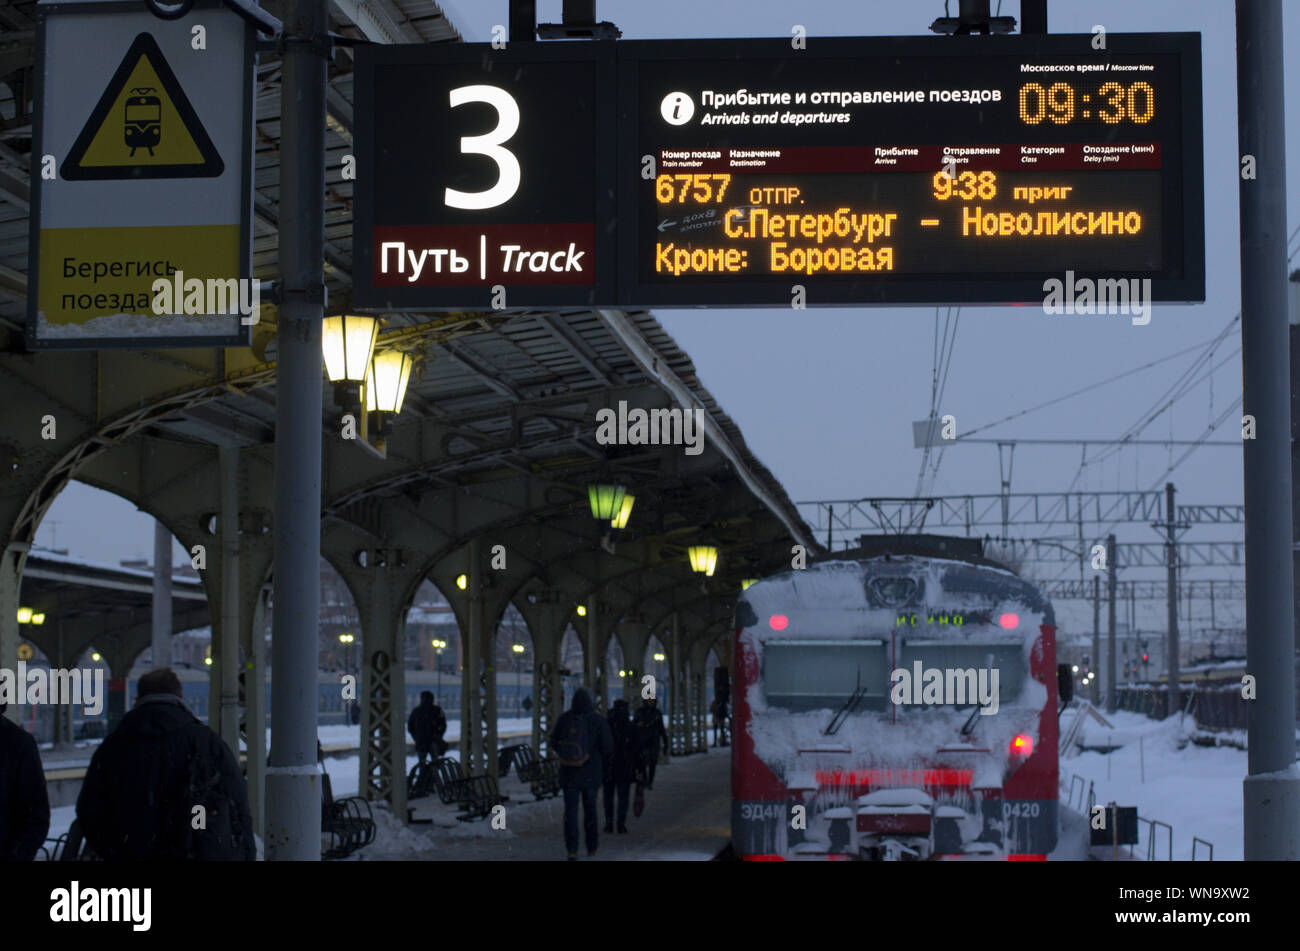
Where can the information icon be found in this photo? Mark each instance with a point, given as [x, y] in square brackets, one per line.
[677, 108]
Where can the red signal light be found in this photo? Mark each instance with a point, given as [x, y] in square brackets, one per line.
[1009, 621]
[1022, 745]
[778, 622]
[1144, 658]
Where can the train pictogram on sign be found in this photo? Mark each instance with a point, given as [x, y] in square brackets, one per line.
[143, 126]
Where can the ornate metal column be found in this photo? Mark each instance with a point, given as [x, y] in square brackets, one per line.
[679, 697]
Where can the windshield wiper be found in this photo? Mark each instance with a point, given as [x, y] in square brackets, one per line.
[850, 705]
[969, 726]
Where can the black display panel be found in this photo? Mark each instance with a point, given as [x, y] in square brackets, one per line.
[908, 170]
[481, 167]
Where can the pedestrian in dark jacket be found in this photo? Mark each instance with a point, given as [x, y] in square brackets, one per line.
[626, 764]
[650, 724]
[584, 744]
[427, 723]
[24, 804]
[140, 796]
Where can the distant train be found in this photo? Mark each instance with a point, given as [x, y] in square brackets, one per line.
[332, 709]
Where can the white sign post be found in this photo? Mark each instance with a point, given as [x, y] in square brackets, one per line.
[141, 178]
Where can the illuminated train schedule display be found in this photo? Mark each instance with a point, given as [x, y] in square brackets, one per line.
[908, 170]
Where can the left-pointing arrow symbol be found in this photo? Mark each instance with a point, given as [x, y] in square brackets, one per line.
[665, 225]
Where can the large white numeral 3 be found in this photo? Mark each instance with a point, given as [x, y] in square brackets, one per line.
[489, 144]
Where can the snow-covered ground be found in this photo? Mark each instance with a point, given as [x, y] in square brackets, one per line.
[1194, 789]
[338, 735]
[344, 772]
[686, 819]
[332, 735]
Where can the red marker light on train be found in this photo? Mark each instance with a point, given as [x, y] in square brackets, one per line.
[778, 622]
[1022, 745]
[1009, 621]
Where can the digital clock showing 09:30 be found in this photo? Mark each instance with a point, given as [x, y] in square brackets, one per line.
[1110, 103]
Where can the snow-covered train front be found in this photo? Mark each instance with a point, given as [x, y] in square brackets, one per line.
[894, 707]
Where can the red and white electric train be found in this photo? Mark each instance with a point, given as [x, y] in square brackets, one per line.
[895, 702]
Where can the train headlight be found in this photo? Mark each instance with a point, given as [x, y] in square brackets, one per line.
[1022, 745]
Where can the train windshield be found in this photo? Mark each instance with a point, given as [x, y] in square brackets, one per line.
[143, 112]
[817, 675]
[958, 661]
[802, 675]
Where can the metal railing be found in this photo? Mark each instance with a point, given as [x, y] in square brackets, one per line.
[1070, 783]
[1152, 838]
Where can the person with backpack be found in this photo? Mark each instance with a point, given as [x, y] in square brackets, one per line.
[625, 766]
[156, 777]
[24, 803]
[427, 724]
[583, 743]
[650, 724]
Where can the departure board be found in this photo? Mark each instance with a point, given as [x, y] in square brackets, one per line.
[908, 170]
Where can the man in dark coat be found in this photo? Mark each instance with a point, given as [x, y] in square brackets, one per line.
[427, 723]
[584, 780]
[139, 796]
[24, 804]
[650, 724]
[627, 762]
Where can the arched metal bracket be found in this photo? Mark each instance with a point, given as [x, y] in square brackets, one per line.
[259, 18]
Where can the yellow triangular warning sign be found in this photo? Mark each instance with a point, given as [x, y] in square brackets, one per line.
[143, 126]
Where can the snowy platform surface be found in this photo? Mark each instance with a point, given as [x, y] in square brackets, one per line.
[687, 818]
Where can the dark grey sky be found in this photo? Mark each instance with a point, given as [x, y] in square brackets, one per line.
[825, 398]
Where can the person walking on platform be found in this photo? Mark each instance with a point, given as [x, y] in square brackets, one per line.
[24, 803]
[650, 724]
[583, 743]
[427, 723]
[721, 700]
[625, 766]
[155, 776]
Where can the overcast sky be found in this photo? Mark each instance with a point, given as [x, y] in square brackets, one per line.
[825, 398]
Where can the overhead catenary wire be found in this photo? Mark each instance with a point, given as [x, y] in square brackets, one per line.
[1188, 380]
[1089, 387]
[940, 364]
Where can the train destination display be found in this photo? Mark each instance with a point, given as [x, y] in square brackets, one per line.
[961, 169]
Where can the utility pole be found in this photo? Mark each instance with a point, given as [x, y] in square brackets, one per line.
[1110, 624]
[292, 780]
[1271, 790]
[1096, 638]
[1171, 603]
[1293, 296]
